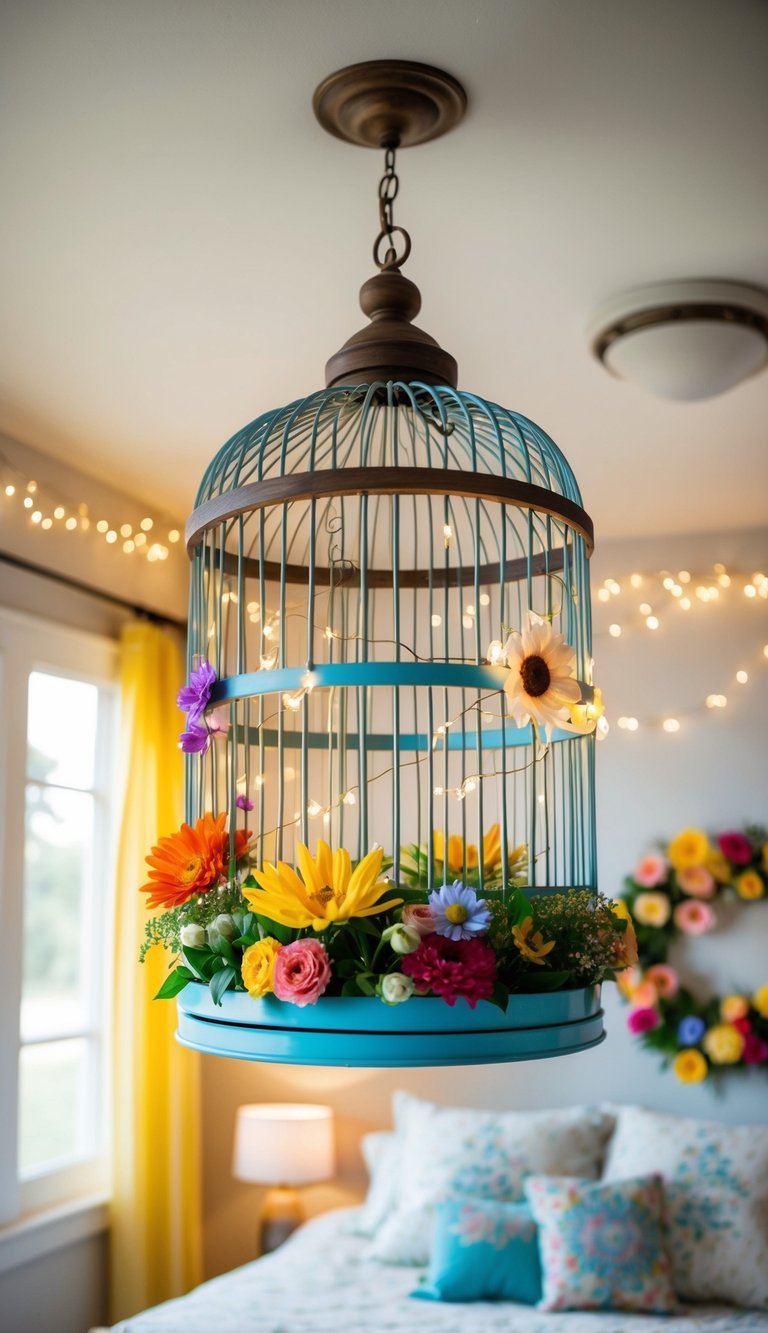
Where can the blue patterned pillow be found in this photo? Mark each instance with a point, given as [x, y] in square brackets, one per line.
[603, 1246]
[483, 1250]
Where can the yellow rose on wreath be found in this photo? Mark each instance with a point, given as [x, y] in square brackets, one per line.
[719, 866]
[259, 967]
[723, 1044]
[690, 1066]
[760, 1001]
[690, 848]
[733, 1007]
[652, 909]
[749, 885]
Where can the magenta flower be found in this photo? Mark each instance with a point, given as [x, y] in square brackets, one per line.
[243, 803]
[643, 1020]
[302, 972]
[755, 1049]
[194, 697]
[694, 917]
[453, 969]
[736, 847]
[651, 870]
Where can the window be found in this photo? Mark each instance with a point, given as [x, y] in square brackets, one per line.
[59, 699]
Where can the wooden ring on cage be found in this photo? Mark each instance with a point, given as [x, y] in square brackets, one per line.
[340, 482]
[464, 576]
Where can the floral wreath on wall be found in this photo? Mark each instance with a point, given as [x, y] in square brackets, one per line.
[672, 893]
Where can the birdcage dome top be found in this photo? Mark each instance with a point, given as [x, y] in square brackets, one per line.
[365, 432]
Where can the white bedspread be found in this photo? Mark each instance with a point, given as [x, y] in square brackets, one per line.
[318, 1282]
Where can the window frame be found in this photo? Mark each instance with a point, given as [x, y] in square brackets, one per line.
[28, 644]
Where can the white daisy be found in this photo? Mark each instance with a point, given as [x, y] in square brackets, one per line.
[541, 684]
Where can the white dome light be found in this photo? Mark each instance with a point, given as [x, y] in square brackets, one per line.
[684, 341]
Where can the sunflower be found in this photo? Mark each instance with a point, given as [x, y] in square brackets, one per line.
[191, 861]
[516, 858]
[331, 890]
[541, 684]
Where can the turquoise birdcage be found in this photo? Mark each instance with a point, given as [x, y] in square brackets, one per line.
[359, 558]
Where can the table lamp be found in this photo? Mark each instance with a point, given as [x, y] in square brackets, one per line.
[283, 1144]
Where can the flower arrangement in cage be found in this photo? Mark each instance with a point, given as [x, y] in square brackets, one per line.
[331, 927]
[672, 893]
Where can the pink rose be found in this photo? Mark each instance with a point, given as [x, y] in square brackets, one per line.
[643, 1020]
[419, 917]
[665, 979]
[693, 917]
[696, 881]
[302, 972]
[736, 847]
[651, 870]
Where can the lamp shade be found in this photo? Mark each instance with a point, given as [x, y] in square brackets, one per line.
[284, 1144]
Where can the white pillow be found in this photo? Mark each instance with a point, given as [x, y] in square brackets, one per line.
[448, 1153]
[381, 1154]
[716, 1188]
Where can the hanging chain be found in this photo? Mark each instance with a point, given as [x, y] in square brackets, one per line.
[388, 189]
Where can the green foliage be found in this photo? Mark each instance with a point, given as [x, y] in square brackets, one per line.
[582, 926]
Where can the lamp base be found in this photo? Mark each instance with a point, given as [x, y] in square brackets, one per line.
[282, 1212]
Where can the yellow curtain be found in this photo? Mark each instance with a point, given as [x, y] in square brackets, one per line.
[156, 1214]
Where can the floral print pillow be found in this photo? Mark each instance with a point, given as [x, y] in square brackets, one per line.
[602, 1246]
[451, 1152]
[716, 1188]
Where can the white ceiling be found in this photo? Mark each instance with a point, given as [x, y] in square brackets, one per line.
[181, 245]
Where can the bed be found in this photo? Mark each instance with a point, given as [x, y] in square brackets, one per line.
[320, 1282]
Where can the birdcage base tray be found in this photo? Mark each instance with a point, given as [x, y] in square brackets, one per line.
[365, 1033]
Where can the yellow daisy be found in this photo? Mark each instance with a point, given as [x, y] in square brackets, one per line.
[530, 942]
[329, 889]
[541, 684]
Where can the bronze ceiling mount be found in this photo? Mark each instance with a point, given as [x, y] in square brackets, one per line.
[390, 104]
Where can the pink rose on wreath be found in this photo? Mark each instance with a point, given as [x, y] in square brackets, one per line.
[665, 979]
[651, 870]
[420, 917]
[694, 917]
[696, 881]
[736, 847]
[302, 972]
[643, 1020]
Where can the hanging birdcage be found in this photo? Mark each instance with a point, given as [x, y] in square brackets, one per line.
[359, 558]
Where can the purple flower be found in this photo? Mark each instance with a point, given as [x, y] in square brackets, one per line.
[193, 698]
[243, 803]
[198, 736]
[691, 1030]
[459, 913]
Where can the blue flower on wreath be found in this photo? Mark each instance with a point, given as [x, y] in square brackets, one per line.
[691, 1030]
[459, 913]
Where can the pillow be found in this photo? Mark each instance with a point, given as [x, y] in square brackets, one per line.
[451, 1153]
[716, 1189]
[483, 1251]
[381, 1154]
[603, 1246]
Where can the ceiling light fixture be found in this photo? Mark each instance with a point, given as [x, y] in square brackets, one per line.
[684, 340]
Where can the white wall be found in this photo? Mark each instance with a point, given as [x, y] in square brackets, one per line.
[713, 773]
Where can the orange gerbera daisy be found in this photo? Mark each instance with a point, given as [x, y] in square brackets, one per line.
[191, 861]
